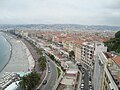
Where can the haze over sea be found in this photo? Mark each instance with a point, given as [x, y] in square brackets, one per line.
[4, 51]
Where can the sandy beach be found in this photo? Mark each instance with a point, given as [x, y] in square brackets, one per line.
[21, 59]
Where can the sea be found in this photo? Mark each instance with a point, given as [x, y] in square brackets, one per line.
[5, 52]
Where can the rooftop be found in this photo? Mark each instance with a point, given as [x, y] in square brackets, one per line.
[116, 59]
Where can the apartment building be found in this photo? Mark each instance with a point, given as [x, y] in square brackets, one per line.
[88, 52]
[78, 53]
[103, 79]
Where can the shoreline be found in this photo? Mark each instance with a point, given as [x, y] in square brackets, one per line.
[18, 59]
[30, 58]
[10, 52]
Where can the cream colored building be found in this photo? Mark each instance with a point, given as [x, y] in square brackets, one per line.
[78, 54]
[88, 52]
[102, 78]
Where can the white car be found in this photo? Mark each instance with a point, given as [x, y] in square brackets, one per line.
[82, 88]
[90, 83]
[49, 71]
[82, 81]
[82, 85]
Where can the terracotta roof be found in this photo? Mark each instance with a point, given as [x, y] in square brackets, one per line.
[116, 59]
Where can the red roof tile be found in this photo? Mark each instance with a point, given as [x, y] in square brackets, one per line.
[116, 59]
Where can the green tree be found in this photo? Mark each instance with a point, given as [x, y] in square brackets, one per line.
[28, 82]
[114, 43]
[117, 35]
[39, 51]
[71, 54]
[42, 58]
[42, 63]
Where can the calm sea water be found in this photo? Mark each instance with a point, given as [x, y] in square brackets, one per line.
[4, 51]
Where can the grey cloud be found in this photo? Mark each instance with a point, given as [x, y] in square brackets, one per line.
[112, 4]
[60, 11]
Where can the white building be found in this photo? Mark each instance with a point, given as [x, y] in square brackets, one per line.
[88, 52]
[102, 78]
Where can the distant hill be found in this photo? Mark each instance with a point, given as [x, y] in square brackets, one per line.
[60, 27]
[114, 43]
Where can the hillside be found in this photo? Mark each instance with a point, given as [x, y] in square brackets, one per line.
[114, 43]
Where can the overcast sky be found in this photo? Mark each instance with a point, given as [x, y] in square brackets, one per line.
[100, 12]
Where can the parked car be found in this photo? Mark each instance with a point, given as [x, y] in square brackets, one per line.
[82, 88]
[89, 78]
[90, 83]
[83, 75]
[90, 87]
[82, 81]
[48, 66]
[82, 85]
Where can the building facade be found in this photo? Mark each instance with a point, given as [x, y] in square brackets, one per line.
[88, 52]
[102, 78]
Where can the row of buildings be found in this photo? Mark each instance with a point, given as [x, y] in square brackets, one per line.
[90, 52]
[70, 78]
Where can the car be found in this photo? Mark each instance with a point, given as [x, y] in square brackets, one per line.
[82, 81]
[49, 66]
[83, 69]
[82, 88]
[90, 87]
[44, 82]
[79, 65]
[49, 71]
[82, 85]
[83, 75]
[90, 83]
[89, 78]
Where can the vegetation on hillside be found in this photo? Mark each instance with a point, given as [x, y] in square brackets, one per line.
[117, 35]
[114, 43]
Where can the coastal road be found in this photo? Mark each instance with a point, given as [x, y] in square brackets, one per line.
[51, 77]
